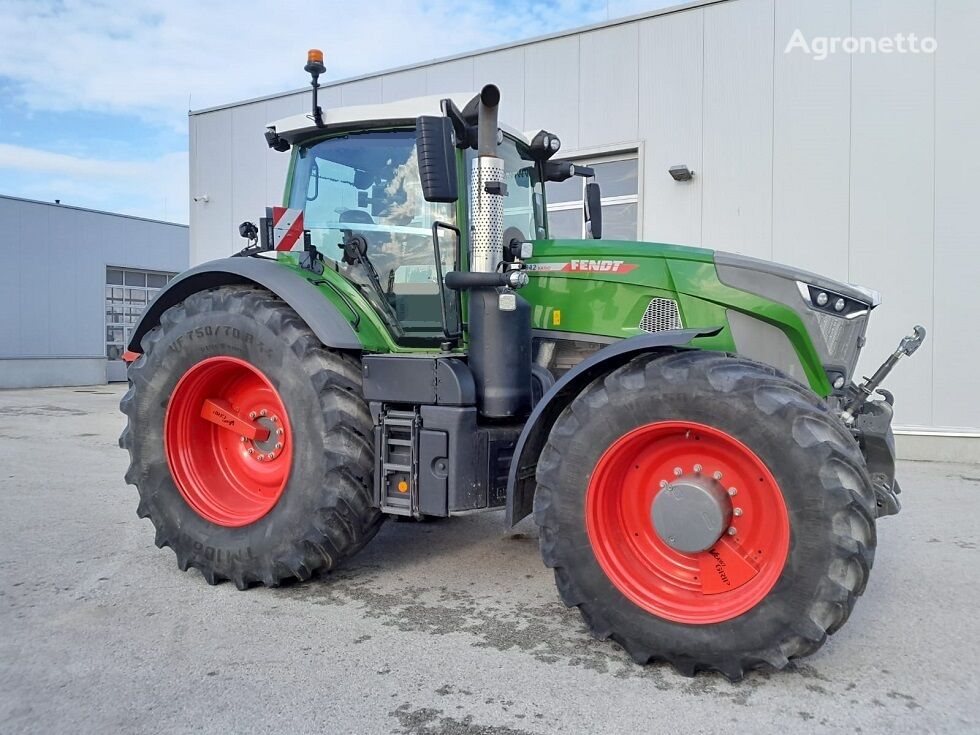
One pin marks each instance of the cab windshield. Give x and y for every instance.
(367, 184)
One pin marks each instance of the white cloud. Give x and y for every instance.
(155, 188)
(155, 59)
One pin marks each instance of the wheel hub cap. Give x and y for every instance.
(691, 513)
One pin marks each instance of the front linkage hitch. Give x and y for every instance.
(870, 422)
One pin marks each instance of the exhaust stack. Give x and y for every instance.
(499, 319)
(487, 188)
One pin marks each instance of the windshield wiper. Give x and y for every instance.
(355, 253)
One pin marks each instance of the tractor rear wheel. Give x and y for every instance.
(705, 510)
(249, 441)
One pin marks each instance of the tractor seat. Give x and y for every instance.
(357, 216)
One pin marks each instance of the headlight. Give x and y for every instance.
(829, 302)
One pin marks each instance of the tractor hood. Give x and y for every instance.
(808, 325)
(629, 262)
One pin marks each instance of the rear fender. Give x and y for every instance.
(521, 482)
(327, 323)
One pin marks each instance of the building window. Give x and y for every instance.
(618, 177)
(127, 292)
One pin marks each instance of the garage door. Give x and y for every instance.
(127, 292)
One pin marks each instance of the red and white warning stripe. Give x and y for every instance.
(287, 228)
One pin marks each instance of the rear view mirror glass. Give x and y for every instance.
(593, 211)
(437, 158)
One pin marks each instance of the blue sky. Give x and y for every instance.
(94, 94)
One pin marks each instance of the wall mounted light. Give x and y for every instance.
(681, 173)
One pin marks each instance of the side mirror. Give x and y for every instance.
(437, 158)
(593, 211)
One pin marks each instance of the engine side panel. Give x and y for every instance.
(521, 481)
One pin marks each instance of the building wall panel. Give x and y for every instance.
(551, 84)
(811, 141)
(737, 153)
(362, 92)
(956, 298)
(608, 86)
(670, 113)
(212, 177)
(403, 85)
(449, 77)
(892, 193)
(13, 311)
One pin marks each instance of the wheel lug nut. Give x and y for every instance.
(252, 414)
(272, 455)
(260, 458)
(698, 468)
(263, 412)
(717, 475)
(274, 418)
(278, 432)
(678, 471)
(664, 484)
(244, 439)
(732, 531)
(736, 512)
(278, 445)
(251, 450)
(732, 491)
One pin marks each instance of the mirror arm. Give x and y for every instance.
(564, 170)
(465, 134)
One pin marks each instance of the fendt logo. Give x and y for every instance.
(585, 266)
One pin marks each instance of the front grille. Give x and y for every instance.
(838, 334)
(660, 316)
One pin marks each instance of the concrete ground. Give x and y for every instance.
(445, 627)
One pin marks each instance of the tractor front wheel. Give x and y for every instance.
(705, 510)
(249, 442)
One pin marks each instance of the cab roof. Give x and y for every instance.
(295, 128)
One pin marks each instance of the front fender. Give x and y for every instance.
(521, 482)
(327, 323)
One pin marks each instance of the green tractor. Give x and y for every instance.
(403, 338)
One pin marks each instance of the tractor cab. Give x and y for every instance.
(355, 174)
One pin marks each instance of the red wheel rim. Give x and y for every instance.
(227, 441)
(711, 586)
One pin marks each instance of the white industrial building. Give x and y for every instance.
(73, 282)
(863, 166)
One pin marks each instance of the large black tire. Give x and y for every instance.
(325, 512)
(819, 468)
